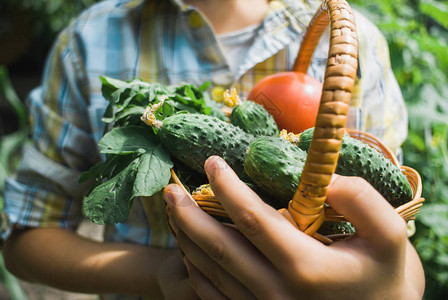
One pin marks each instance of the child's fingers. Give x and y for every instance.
(201, 266)
(173, 279)
(267, 229)
(361, 204)
(203, 287)
(227, 247)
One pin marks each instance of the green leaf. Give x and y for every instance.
(110, 85)
(189, 93)
(127, 140)
(132, 111)
(167, 109)
(204, 86)
(124, 97)
(110, 202)
(8, 94)
(136, 164)
(110, 167)
(436, 10)
(153, 172)
(435, 216)
(10, 147)
(109, 115)
(179, 107)
(417, 141)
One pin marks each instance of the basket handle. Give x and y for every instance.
(307, 204)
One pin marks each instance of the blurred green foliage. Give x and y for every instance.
(417, 34)
(51, 15)
(48, 18)
(28, 28)
(10, 143)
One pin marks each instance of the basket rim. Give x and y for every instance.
(407, 211)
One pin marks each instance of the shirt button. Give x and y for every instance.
(195, 20)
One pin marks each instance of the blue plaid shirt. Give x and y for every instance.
(171, 43)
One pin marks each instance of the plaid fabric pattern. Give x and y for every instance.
(167, 42)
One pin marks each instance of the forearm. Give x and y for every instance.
(64, 260)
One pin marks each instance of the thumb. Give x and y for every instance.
(365, 208)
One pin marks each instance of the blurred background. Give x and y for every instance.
(417, 33)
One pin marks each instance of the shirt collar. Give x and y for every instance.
(182, 5)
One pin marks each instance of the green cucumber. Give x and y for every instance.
(192, 138)
(336, 227)
(357, 158)
(254, 119)
(275, 165)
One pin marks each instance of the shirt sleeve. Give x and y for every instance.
(378, 101)
(45, 191)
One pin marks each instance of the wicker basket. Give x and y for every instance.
(306, 210)
(407, 211)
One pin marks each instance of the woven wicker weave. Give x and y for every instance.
(307, 205)
(407, 211)
(307, 210)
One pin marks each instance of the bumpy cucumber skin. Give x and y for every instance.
(305, 139)
(275, 165)
(334, 227)
(356, 158)
(192, 138)
(254, 119)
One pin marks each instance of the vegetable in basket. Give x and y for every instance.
(183, 131)
(192, 138)
(136, 163)
(359, 159)
(276, 164)
(252, 117)
(292, 98)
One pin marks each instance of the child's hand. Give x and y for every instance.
(270, 259)
(173, 280)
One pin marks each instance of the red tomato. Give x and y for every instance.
(292, 98)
